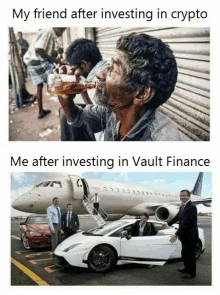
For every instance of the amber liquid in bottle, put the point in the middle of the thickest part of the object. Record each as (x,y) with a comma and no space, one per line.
(69,84)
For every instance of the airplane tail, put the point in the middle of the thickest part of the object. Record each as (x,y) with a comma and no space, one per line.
(198,185)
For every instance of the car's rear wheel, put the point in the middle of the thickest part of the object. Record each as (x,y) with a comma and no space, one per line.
(101,258)
(198,249)
(25,242)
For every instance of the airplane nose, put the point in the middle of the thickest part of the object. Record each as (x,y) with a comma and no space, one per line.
(22,203)
(17,204)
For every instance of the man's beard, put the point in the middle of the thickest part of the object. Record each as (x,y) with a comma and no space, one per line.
(101,96)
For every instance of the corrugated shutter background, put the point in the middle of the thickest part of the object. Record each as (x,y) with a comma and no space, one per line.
(189,105)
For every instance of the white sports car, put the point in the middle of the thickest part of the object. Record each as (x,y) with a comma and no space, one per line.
(103,247)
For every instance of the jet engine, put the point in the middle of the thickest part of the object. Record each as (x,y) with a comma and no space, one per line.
(166,213)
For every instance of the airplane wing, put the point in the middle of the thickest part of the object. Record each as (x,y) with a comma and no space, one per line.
(204,201)
(143,207)
(152,207)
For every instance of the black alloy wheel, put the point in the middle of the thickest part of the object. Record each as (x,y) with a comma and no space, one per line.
(101,259)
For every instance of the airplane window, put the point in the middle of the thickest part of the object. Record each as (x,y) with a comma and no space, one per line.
(105,188)
(142,193)
(133,192)
(146,193)
(123,191)
(117,190)
(38,184)
(138,192)
(111,189)
(45,184)
(128,191)
(56,184)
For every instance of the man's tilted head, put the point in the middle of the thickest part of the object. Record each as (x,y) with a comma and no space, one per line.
(150,63)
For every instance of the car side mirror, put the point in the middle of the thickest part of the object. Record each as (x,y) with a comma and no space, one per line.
(125,234)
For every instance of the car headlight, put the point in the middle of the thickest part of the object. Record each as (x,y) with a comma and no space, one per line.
(34,234)
(71,247)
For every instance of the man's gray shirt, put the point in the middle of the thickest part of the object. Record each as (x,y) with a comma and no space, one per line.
(152,126)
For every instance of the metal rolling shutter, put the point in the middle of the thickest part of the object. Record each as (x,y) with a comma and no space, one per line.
(189,105)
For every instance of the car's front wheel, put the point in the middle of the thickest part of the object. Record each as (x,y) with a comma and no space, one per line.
(101,258)
(25,242)
(198,249)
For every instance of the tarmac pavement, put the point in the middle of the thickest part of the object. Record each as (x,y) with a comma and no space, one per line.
(40,263)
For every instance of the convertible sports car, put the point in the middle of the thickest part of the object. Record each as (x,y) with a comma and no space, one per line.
(103,247)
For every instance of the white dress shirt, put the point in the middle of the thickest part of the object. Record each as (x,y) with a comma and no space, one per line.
(52,215)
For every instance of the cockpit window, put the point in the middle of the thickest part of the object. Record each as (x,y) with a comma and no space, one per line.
(56,184)
(43,184)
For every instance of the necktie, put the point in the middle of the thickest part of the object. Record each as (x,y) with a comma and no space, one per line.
(58,214)
(182,208)
(69,219)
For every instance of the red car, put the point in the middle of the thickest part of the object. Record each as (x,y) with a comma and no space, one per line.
(35,232)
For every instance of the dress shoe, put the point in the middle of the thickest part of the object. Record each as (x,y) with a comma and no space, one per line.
(188,276)
(182,270)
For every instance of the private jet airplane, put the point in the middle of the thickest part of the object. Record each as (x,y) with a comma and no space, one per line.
(116,199)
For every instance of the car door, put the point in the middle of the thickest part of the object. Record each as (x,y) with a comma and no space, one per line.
(154,250)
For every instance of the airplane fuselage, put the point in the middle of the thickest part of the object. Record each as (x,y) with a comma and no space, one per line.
(115,198)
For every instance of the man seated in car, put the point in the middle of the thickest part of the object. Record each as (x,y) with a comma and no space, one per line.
(142,77)
(143,227)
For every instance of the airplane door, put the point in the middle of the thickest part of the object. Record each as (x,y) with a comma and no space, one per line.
(78,187)
(154,250)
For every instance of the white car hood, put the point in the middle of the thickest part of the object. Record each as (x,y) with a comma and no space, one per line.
(77,239)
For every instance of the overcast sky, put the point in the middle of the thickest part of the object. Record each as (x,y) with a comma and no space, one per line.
(22,182)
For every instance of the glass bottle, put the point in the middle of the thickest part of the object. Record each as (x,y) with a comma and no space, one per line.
(69,84)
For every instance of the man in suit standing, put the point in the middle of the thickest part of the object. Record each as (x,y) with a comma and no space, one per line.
(96,204)
(142,227)
(187,233)
(54,222)
(70,222)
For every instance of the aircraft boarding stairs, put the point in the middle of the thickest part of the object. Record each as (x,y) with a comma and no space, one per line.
(99,216)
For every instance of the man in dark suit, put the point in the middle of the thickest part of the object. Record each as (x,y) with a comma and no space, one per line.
(70,222)
(142,227)
(187,233)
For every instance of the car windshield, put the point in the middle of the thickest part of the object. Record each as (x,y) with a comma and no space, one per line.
(38,219)
(105,229)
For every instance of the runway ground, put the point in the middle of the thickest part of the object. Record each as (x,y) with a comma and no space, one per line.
(35,267)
